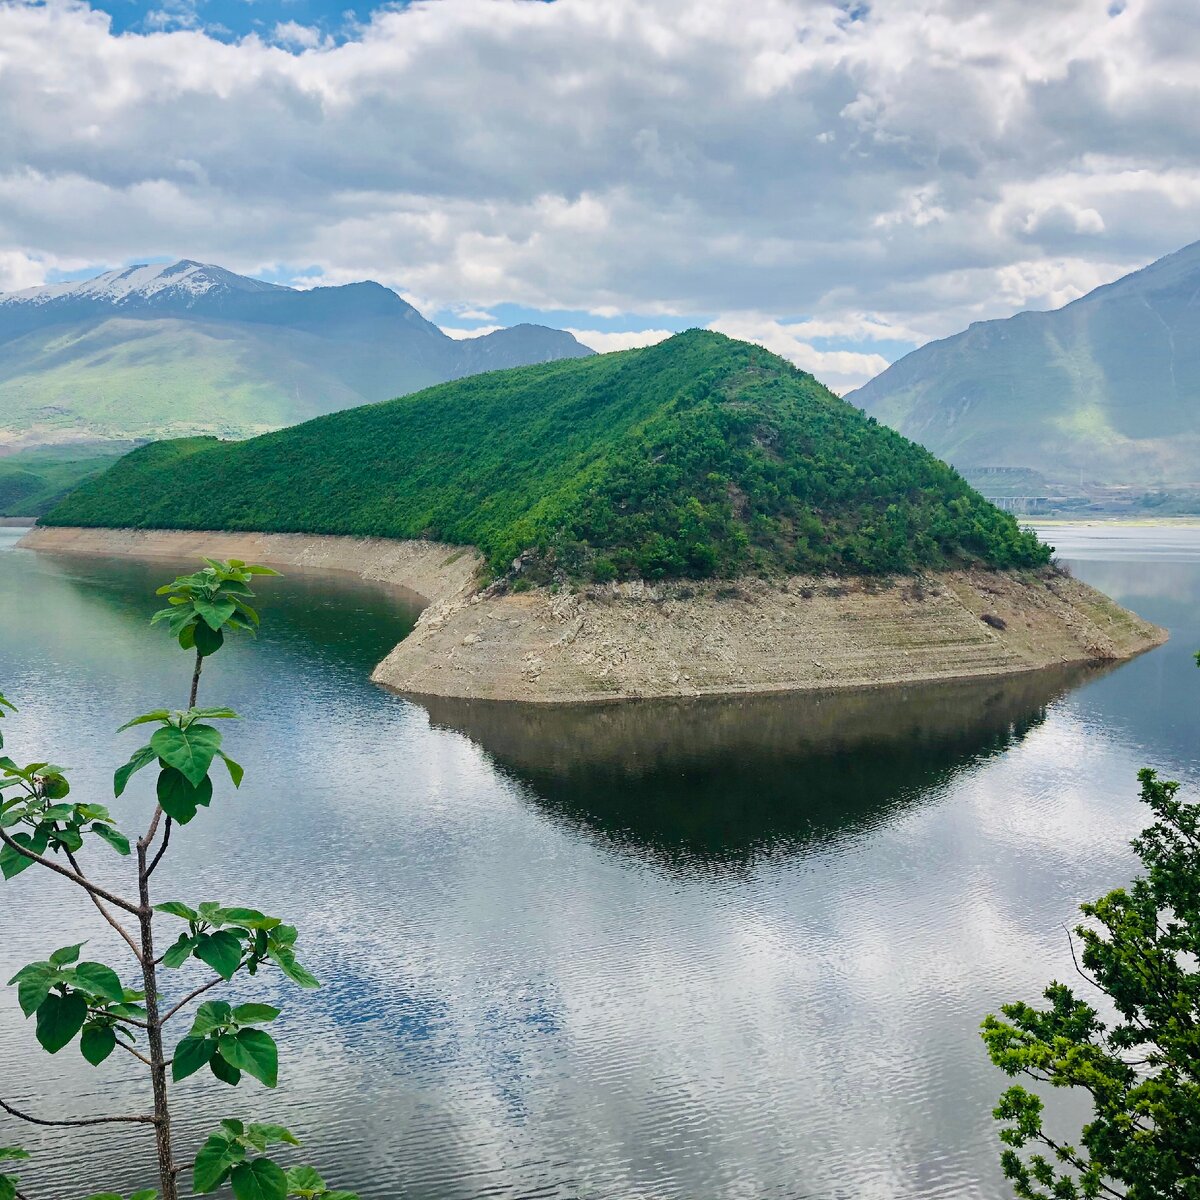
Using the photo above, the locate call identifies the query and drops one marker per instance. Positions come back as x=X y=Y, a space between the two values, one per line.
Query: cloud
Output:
x=605 y=342
x=903 y=172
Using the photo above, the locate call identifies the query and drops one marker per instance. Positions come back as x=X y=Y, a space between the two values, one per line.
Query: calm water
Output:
x=734 y=949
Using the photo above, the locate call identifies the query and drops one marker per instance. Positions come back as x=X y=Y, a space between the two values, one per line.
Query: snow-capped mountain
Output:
x=183 y=281
x=157 y=351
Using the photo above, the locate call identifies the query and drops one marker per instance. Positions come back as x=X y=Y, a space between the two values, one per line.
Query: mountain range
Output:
x=1105 y=391
x=163 y=351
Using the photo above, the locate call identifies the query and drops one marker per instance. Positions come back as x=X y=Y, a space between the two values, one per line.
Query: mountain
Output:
x=1106 y=389
x=162 y=351
x=698 y=456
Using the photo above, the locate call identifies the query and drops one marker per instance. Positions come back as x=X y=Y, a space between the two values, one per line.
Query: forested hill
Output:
x=698 y=456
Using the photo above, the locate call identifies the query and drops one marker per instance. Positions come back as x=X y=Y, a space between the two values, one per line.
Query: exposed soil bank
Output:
x=642 y=640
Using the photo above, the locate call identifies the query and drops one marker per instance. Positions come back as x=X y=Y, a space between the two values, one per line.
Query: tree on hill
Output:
x=1139 y=1060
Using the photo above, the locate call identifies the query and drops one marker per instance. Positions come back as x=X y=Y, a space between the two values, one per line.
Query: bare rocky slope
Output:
x=627 y=640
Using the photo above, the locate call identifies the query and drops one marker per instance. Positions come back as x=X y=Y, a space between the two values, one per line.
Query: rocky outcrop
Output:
x=656 y=640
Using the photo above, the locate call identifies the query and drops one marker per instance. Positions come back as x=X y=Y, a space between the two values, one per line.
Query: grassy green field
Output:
x=33 y=482
x=699 y=456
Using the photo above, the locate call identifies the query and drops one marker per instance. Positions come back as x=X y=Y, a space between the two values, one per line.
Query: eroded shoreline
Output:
x=640 y=640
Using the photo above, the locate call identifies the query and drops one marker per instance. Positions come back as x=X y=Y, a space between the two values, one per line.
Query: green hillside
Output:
x=698 y=456
x=35 y=481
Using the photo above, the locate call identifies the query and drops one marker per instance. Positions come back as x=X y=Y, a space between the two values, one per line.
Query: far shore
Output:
x=1141 y=522
x=636 y=639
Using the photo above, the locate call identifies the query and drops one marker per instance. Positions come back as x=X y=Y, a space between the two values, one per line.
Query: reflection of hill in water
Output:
x=729 y=779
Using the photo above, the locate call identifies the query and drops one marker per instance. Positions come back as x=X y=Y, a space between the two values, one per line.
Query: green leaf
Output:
x=97 y=1043
x=100 y=981
x=67 y=954
x=269 y=1135
x=8 y=1187
x=140 y=758
x=212 y=714
x=159 y=714
x=54 y=786
x=259 y=1180
x=179 y=798
x=214 y=612
x=12 y=1153
x=187 y=637
x=254 y=1014
x=236 y=771
x=59 y=1019
x=144 y=1194
x=285 y=960
x=190 y=751
x=206 y=640
x=212 y=1014
x=252 y=1051
x=175 y=908
x=224 y=1072
x=216 y=1158
x=114 y=837
x=304 y=1181
x=13 y=862
x=251 y=918
x=191 y=1054
x=35 y=982
x=179 y=952
x=221 y=950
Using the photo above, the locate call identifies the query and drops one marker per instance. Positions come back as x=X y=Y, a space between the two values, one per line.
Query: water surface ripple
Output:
x=726 y=949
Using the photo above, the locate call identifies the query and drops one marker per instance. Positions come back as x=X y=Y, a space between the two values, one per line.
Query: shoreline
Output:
x=636 y=640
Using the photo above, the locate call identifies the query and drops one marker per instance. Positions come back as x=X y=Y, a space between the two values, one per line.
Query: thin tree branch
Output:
x=212 y=983
x=99 y=1012
x=16 y=1112
x=87 y=885
x=106 y=914
x=136 y=1053
x=162 y=849
x=145 y=841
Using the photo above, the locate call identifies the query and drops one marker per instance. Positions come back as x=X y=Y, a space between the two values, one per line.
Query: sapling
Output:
x=76 y=1001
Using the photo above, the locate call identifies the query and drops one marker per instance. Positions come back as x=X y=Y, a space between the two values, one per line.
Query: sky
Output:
x=840 y=181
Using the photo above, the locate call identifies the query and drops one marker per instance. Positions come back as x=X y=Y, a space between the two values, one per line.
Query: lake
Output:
x=700 y=950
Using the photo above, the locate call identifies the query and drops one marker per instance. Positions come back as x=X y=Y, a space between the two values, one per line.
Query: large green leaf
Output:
x=100 y=981
x=114 y=837
x=252 y=1051
x=254 y=1014
x=221 y=950
x=212 y=1014
x=13 y=862
x=214 y=612
x=191 y=1054
x=190 y=751
x=213 y=1163
x=259 y=1180
x=177 y=908
x=97 y=1043
x=179 y=952
x=224 y=1072
x=206 y=640
x=59 y=1019
x=179 y=797
x=65 y=955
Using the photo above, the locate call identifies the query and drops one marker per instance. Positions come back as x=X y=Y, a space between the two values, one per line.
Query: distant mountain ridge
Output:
x=192 y=348
x=1105 y=390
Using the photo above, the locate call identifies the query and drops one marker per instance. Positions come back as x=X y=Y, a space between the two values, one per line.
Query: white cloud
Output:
x=461 y=334
x=605 y=341
x=913 y=169
x=841 y=370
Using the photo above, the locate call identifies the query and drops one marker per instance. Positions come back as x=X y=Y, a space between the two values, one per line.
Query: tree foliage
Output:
x=700 y=456
x=78 y=1001
x=1139 y=1062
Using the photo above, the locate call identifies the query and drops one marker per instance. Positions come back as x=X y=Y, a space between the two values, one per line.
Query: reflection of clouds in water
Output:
x=749 y=959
